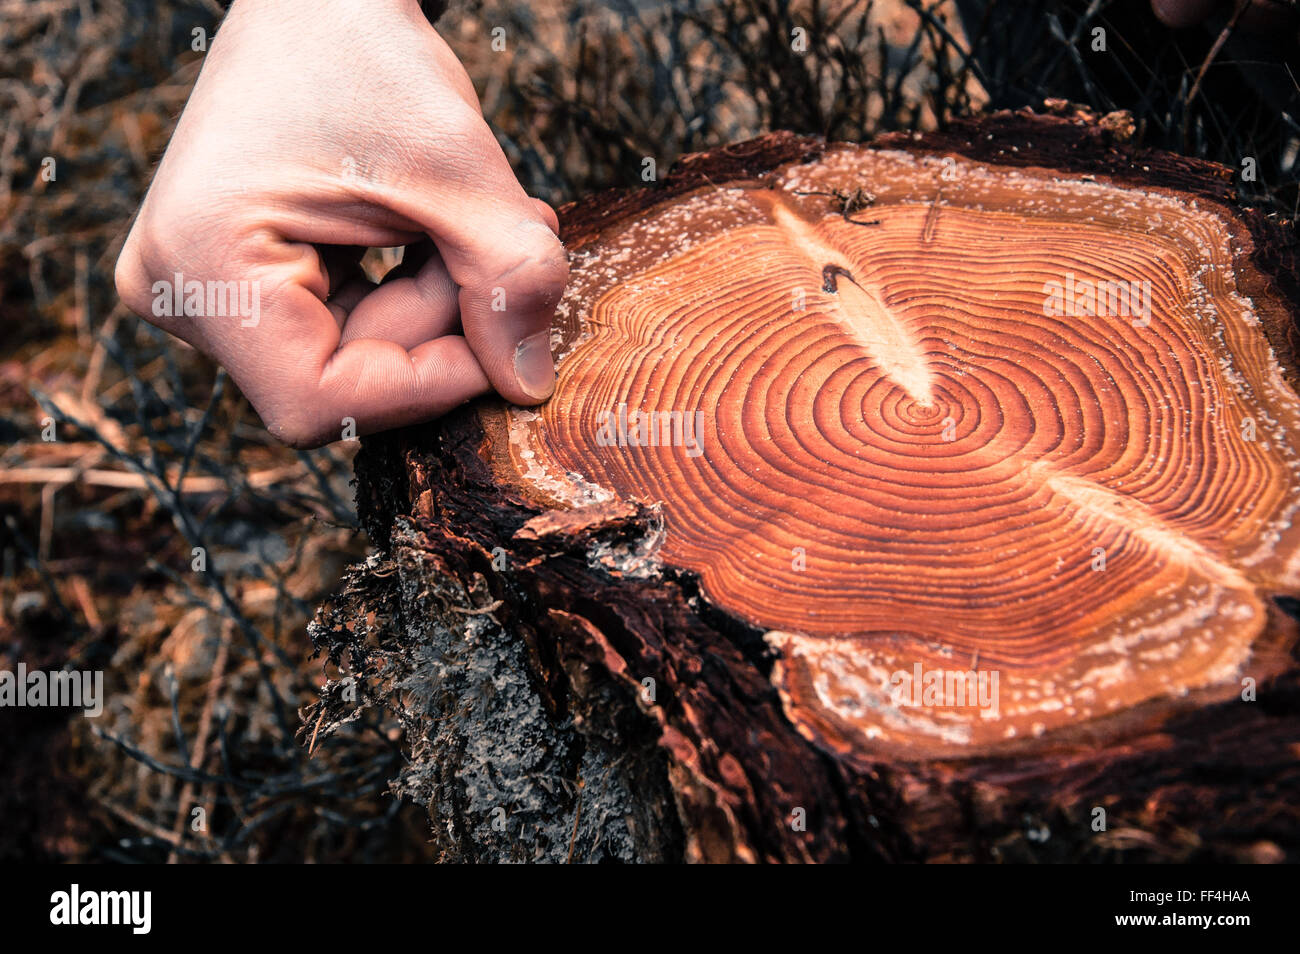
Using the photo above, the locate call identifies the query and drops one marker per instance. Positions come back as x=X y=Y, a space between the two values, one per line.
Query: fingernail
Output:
x=534 y=369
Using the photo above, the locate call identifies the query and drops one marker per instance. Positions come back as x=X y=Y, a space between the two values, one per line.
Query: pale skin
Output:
x=349 y=123
x=319 y=128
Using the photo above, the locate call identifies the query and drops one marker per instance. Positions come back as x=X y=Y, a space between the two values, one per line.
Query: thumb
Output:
x=500 y=248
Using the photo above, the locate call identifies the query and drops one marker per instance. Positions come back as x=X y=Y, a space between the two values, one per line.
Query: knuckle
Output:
x=292 y=408
x=463 y=121
x=463 y=143
x=132 y=277
x=290 y=411
x=538 y=276
x=297 y=431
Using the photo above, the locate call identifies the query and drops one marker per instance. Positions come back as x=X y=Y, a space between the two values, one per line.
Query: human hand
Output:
x=318 y=128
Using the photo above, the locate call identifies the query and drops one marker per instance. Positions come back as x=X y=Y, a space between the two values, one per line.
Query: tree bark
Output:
x=932 y=439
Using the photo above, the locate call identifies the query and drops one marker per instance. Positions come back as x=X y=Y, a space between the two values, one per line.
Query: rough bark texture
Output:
x=566 y=697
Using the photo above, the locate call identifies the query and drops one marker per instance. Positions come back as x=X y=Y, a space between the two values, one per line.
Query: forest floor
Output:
x=125 y=457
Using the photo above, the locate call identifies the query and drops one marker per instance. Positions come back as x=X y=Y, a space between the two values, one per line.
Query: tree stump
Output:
x=927 y=499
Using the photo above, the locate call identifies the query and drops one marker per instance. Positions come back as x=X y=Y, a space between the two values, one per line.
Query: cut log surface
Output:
x=902 y=498
x=897 y=444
